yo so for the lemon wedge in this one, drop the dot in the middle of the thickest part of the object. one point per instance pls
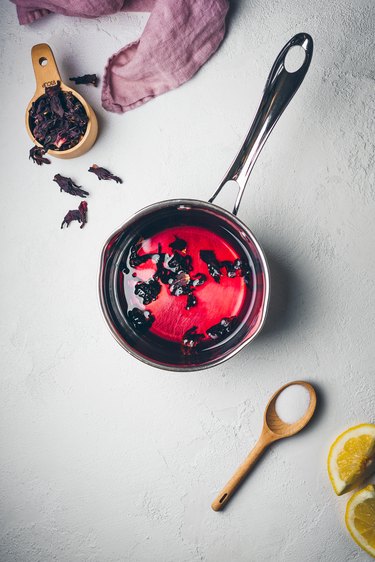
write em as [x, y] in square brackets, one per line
[360, 518]
[351, 457]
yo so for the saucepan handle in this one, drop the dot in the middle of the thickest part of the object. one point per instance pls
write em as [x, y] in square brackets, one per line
[280, 87]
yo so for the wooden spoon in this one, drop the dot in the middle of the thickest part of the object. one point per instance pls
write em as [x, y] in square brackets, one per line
[47, 74]
[273, 430]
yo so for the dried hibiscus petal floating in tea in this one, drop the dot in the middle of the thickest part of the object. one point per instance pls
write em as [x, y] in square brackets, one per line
[191, 301]
[224, 328]
[36, 154]
[147, 291]
[103, 174]
[180, 284]
[85, 79]
[236, 268]
[208, 256]
[141, 320]
[68, 185]
[135, 259]
[57, 119]
[191, 338]
[79, 215]
[178, 244]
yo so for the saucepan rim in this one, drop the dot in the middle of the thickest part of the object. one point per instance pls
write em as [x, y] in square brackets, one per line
[202, 205]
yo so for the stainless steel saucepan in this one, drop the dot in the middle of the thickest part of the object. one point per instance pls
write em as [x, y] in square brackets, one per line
[280, 87]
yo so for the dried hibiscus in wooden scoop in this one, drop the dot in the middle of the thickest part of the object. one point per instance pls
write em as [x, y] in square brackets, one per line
[68, 185]
[57, 119]
[79, 215]
[103, 174]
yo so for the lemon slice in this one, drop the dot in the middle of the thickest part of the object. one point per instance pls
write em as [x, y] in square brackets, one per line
[360, 518]
[351, 457]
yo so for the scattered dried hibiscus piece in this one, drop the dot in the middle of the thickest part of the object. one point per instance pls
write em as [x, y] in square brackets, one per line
[86, 79]
[68, 185]
[79, 215]
[103, 174]
[36, 154]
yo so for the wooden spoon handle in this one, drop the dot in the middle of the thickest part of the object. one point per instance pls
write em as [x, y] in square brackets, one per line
[227, 492]
[45, 68]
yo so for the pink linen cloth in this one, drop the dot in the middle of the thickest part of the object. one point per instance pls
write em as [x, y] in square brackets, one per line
[179, 37]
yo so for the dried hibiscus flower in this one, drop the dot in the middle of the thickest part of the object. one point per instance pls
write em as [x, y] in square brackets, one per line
[86, 79]
[141, 320]
[213, 265]
[104, 174]
[180, 285]
[191, 339]
[237, 268]
[135, 259]
[148, 291]
[223, 328]
[191, 301]
[229, 267]
[179, 262]
[57, 119]
[68, 185]
[199, 279]
[179, 244]
[79, 215]
[36, 154]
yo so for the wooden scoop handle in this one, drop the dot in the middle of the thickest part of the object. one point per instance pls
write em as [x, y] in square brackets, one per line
[243, 470]
[45, 68]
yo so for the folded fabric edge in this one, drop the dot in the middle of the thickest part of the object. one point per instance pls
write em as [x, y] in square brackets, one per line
[107, 99]
[26, 16]
[108, 102]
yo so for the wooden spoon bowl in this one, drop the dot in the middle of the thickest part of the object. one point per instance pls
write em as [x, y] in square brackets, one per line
[275, 426]
[47, 74]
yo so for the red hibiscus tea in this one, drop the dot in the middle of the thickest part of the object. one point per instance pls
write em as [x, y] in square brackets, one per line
[180, 285]
[213, 298]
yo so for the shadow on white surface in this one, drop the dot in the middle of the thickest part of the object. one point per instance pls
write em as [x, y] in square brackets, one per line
[285, 308]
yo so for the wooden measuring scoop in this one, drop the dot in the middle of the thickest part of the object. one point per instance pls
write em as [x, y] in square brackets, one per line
[273, 430]
[47, 74]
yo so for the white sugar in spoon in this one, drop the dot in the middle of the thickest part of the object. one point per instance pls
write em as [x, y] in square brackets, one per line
[279, 421]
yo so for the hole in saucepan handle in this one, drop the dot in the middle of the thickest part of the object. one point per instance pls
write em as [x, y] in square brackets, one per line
[43, 61]
[222, 498]
[294, 59]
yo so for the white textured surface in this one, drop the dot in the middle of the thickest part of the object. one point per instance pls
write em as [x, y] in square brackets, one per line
[104, 459]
